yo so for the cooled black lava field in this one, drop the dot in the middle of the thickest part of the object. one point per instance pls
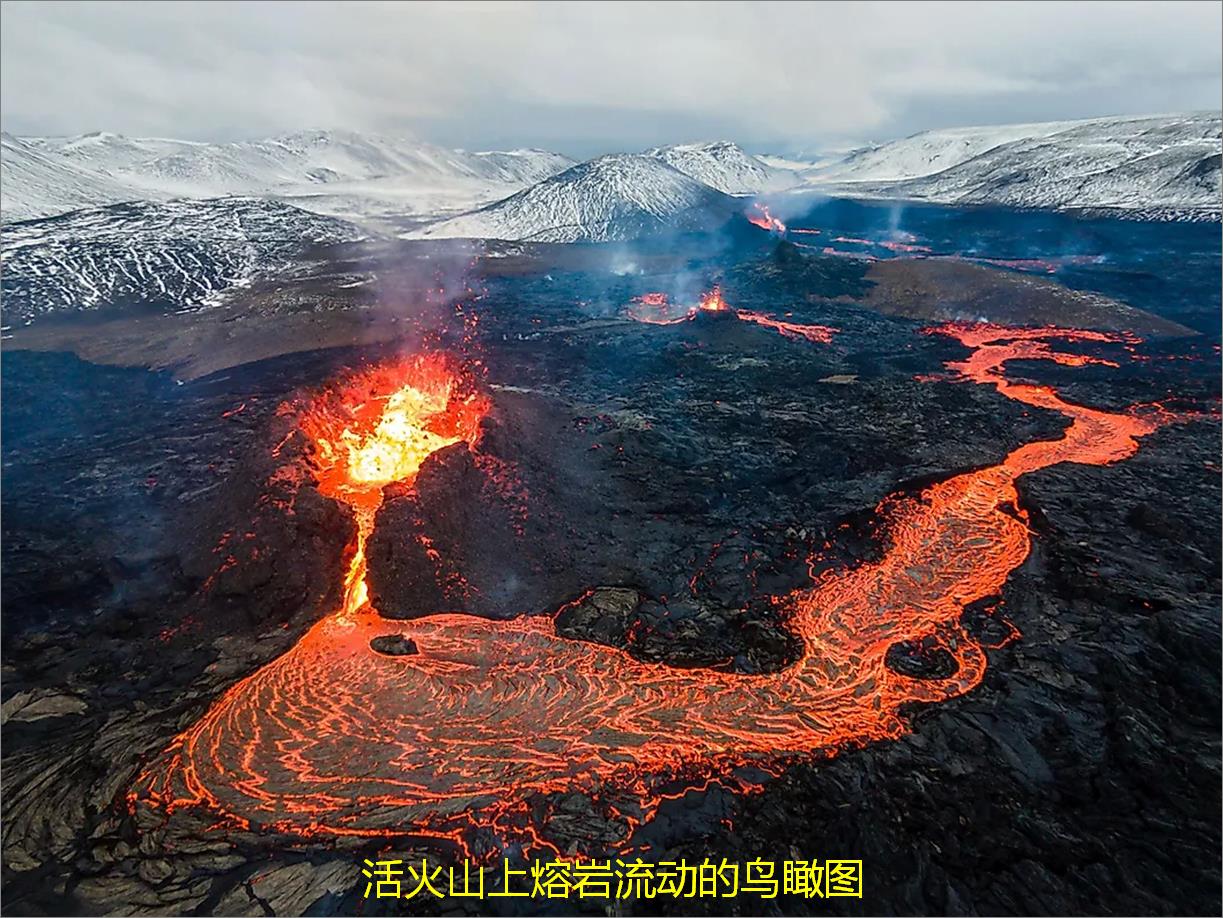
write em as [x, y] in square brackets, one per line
[900, 546]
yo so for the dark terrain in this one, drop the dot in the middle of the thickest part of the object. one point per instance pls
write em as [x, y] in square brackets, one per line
[691, 469]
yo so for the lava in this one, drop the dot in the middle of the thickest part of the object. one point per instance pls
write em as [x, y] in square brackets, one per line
[712, 301]
[816, 334]
[1050, 265]
[333, 738]
[654, 308]
[892, 245]
[378, 427]
[657, 309]
[759, 216]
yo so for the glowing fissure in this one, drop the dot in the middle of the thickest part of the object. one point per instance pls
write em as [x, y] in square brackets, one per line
[334, 738]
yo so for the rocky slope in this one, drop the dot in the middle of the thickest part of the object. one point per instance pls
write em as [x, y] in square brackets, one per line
[173, 256]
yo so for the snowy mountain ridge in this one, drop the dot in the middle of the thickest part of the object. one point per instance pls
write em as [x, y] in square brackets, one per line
[614, 197]
[1165, 162]
[725, 166]
[171, 255]
[44, 176]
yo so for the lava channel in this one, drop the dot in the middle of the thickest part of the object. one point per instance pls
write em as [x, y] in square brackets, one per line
[334, 738]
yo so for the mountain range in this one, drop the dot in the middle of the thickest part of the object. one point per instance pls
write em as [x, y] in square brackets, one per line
[101, 220]
[1165, 162]
[1166, 165]
[44, 176]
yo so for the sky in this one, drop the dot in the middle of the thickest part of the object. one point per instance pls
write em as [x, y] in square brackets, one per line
[588, 78]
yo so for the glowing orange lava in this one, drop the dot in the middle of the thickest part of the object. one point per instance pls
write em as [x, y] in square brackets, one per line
[334, 738]
[712, 301]
[816, 334]
[657, 309]
[654, 308]
[760, 216]
[379, 427]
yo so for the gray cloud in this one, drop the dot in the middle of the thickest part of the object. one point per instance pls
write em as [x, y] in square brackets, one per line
[585, 77]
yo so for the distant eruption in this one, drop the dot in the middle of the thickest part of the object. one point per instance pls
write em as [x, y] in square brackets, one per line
[713, 302]
[759, 216]
[657, 309]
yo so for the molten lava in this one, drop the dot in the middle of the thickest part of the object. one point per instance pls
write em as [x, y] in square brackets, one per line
[335, 738]
[712, 301]
[657, 309]
[759, 216]
[816, 334]
[892, 245]
[654, 308]
[378, 427]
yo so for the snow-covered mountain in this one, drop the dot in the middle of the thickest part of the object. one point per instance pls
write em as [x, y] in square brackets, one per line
[1168, 162]
[36, 183]
[103, 151]
[316, 157]
[616, 197]
[171, 255]
[726, 167]
[107, 168]
[927, 152]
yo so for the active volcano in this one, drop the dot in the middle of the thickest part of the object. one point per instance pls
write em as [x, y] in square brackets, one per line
[483, 716]
[667, 551]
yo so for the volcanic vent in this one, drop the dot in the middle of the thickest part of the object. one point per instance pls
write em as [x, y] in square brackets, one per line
[378, 427]
[657, 309]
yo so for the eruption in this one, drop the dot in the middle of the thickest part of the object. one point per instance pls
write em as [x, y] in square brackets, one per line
[759, 216]
[378, 427]
[334, 738]
[656, 309]
[712, 301]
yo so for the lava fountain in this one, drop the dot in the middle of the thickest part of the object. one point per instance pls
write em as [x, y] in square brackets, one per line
[759, 216]
[378, 427]
[333, 738]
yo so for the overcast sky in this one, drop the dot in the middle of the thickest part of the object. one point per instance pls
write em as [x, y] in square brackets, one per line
[586, 78]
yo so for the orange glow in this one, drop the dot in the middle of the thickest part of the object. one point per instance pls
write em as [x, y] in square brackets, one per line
[712, 301]
[333, 738]
[816, 334]
[656, 309]
[378, 427]
[653, 308]
[759, 216]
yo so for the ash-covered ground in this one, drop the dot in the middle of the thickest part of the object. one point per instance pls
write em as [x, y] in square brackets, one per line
[684, 472]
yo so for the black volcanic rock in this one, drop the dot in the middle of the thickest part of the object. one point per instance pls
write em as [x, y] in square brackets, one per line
[603, 615]
[394, 645]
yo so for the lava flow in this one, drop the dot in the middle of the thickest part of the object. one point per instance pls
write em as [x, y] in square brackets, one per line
[335, 738]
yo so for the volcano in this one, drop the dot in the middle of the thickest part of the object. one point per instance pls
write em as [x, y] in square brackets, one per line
[739, 553]
[528, 711]
[657, 309]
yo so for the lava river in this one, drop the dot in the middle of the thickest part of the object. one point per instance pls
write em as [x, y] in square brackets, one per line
[335, 738]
